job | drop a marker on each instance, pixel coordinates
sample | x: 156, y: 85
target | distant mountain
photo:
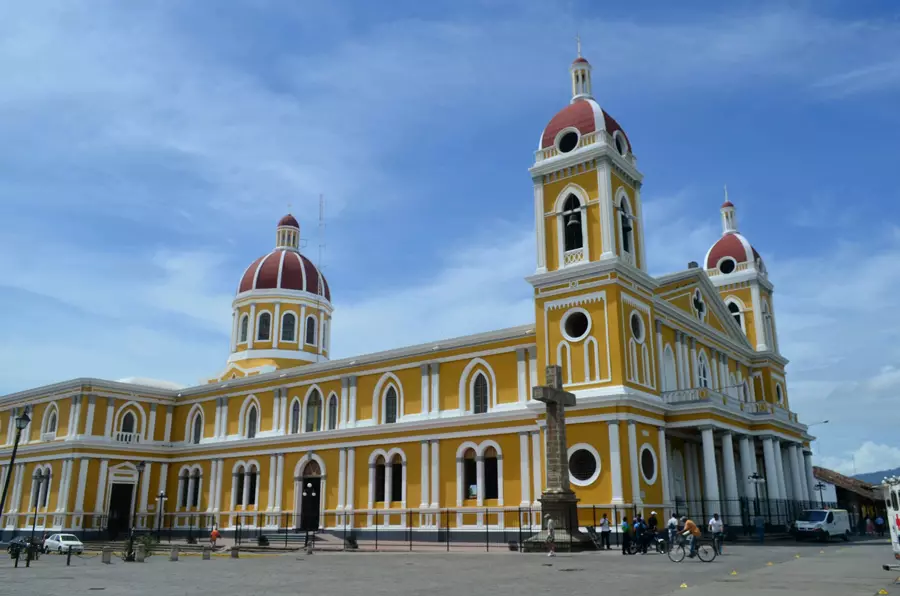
x: 877, y: 477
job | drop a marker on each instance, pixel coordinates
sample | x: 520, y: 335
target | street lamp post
x: 819, y: 488
x: 160, y: 507
x: 129, y: 552
x: 21, y: 422
x: 756, y: 479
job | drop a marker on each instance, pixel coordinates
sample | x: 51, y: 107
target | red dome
x: 731, y: 245
x: 727, y: 204
x: 288, y: 220
x: 579, y: 60
x: 584, y: 115
x: 285, y: 270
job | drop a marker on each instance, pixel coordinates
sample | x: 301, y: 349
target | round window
x: 637, y: 327
x: 727, y: 266
x: 576, y: 325
x: 582, y: 465
x: 648, y: 464
x: 568, y: 141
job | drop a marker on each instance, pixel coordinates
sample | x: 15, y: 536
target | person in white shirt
x: 604, y: 532
x: 672, y: 526
x: 717, y: 529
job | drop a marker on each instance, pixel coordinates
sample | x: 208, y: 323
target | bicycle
x: 704, y: 549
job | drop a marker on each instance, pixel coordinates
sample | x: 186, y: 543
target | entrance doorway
x: 120, y: 509
x: 310, y: 497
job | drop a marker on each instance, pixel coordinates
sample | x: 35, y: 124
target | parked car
x: 60, y: 543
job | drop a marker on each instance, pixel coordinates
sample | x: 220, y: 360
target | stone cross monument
x: 558, y: 500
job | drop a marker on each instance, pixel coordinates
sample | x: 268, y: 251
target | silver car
x: 60, y: 543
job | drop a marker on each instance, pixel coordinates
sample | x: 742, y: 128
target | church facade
x: 681, y: 395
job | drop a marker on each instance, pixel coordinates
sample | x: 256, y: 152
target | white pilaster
x: 537, y: 466
x: 279, y: 481
x: 633, y: 464
x: 342, y: 478
x: 435, y: 388
x: 695, y: 377
x: 276, y: 327
x: 101, y: 487
x: 251, y: 333
x: 273, y: 471
x: 83, y: 465
x: 224, y: 422
x: 151, y: 425
x: 435, y: 474
x: 523, y: 469
x: 479, y: 468
x: 234, y: 330
x: 615, y: 463
x: 145, y: 486
x: 110, y: 412
x: 220, y: 464
x: 532, y: 370
x: 62, y: 502
x: 167, y: 432
x: 351, y: 419
x: 351, y: 480
x: 732, y: 505
x: 664, y: 467
x: 539, y: 224
x: 424, y: 481
x: 19, y: 480
x: 678, y: 361
x: 757, y: 318
x: 607, y: 215
x: 714, y: 368
x: 522, y: 379
x: 773, y: 490
x: 282, y: 418
x: 425, y: 386
x: 217, y: 431
x: 344, y: 398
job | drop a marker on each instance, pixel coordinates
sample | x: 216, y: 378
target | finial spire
x: 578, y: 43
x: 726, y: 193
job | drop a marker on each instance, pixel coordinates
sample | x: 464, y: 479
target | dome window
x: 621, y: 143
x: 567, y: 140
x: 727, y: 265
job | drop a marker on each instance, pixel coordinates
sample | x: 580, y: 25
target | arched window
x: 184, y: 482
x: 314, y: 412
x: 491, y: 474
x: 779, y: 393
x: 289, y: 327
x: 311, y: 330
x: 252, y: 474
x: 197, y: 432
x: 332, y: 412
x: 390, y: 406
x: 239, y: 485
x: 295, y: 417
x: 670, y: 379
x: 245, y: 324
x: 51, y: 423
x: 264, y: 332
x: 379, y: 479
x: 626, y: 229
x: 735, y: 311
x: 571, y: 220
x: 195, y: 494
x: 480, y: 394
x: 128, y: 423
x: 702, y: 370
x: 252, y: 422
x: 397, y: 478
x: 324, y: 335
x: 51, y: 420
x: 470, y: 475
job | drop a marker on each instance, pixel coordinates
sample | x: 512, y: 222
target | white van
x: 823, y: 524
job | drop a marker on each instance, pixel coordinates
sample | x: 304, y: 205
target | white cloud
x: 869, y: 457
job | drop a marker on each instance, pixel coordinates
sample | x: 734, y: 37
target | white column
x: 779, y: 469
x: 82, y: 484
x: 607, y: 214
x: 70, y: 427
x: 521, y: 374
x: 276, y: 325
x: 145, y: 486
x: 276, y: 409
x: 272, y: 473
x: 773, y: 491
x: 425, y: 386
x: 423, y: 481
x: 220, y: 464
x: 664, y: 468
x: 435, y: 388
x: 62, y: 503
x: 351, y: 486
x: 615, y: 463
x: 352, y: 414
x: 89, y: 422
x: 804, y: 487
x: 151, y: 425
x: 224, y: 429
x: 810, y: 478
x: 479, y: 468
x: 101, y: 487
x: 537, y: 465
x: 371, y: 502
x: 282, y: 418
x: 167, y: 431
x: 532, y: 370
x: 732, y: 505
x: 523, y: 469
x: 217, y: 431
x: 748, y: 459
x: 110, y: 412
x: 245, y: 497
x: 279, y: 481
x: 344, y: 398
x: 251, y: 332
x: 435, y: 475
x: 19, y: 480
x: 710, y: 474
x: 539, y: 224
x: 660, y: 373
x: 796, y: 478
x: 342, y: 478
x: 633, y: 464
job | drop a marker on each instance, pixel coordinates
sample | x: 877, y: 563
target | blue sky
x: 149, y: 148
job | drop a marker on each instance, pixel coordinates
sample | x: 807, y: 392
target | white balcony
x: 571, y: 257
x: 705, y: 395
x: 123, y: 437
x: 48, y: 437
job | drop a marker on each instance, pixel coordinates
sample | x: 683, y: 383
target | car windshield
x: 68, y: 538
x: 812, y: 516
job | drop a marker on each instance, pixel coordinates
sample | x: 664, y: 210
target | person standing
x: 213, y: 537
x: 640, y: 534
x: 879, y: 525
x: 672, y: 526
x: 551, y: 535
x: 605, y: 531
x: 717, y: 529
x: 626, y: 536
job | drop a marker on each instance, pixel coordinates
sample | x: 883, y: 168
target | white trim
x: 304, y: 412
x: 558, y: 205
x: 54, y: 409
x: 259, y: 315
x: 315, y: 330
x: 564, y: 132
x: 189, y: 424
x: 563, y: 346
x: 298, y: 418
x: 337, y: 412
x: 244, y: 414
x: 284, y: 314
x: 599, y: 466
x: 656, y: 463
x: 385, y: 382
x: 467, y: 390
x: 139, y: 419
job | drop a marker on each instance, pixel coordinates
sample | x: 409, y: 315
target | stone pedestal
x: 173, y: 555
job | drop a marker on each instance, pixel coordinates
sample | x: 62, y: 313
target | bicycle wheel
x: 676, y: 553
x: 706, y: 552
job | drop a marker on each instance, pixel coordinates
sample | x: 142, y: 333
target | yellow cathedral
x: 681, y: 396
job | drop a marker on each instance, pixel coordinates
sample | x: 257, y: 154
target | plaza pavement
x: 835, y: 569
